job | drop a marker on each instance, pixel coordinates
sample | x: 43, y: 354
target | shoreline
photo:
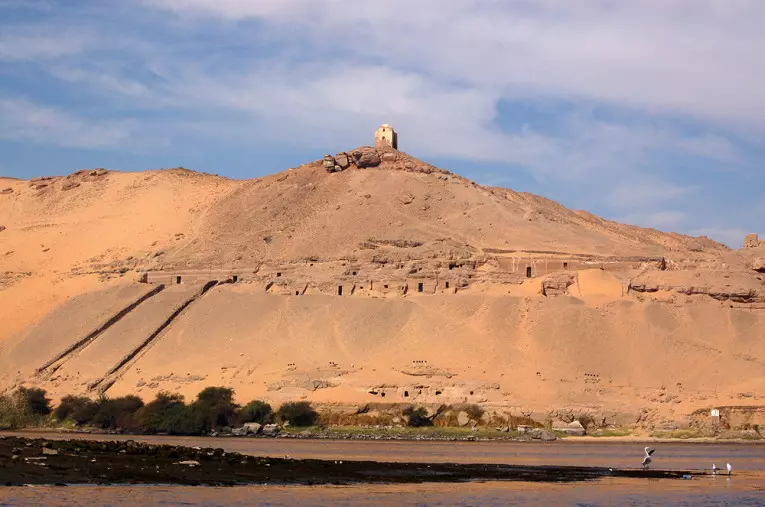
x: 422, y: 436
x: 25, y: 461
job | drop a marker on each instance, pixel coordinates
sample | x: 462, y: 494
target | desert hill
x: 363, y: 276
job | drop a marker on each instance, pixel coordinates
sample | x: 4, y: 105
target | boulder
x: 271, y: 430
x: 540, y: 434
x: 98, y: 172
x: 329, y: 163
x: 2, y: 228
x: 8, y: 190
x: 574, y: 428
x: 253, y: 428
x: 406, y: 198
x: 49, y: 452
x: 239, y: 432
x: 70, y: 185
x: 366, y: 158
x: 389, y: 157
x: 343, y: 160
x: 463, y: 419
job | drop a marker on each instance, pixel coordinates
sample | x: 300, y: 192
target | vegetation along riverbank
x: 214, y: 412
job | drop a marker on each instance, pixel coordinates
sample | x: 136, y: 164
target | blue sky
x: 649, y: 112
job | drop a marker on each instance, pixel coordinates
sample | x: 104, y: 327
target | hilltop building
x: 385, y: 135
x: 753, y: 241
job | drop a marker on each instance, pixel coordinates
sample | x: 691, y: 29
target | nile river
x: 745, y: 487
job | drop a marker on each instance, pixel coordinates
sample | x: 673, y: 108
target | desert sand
x: 451, y: 292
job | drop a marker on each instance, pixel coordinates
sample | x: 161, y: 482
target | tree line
x: 167, y: 413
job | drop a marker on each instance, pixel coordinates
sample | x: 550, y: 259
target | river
x: 745, y: 487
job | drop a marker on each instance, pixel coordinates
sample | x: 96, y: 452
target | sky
x: 648, y: 112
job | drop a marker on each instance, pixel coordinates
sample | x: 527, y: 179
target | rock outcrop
x: 366, y: 157
x: 736, y: 286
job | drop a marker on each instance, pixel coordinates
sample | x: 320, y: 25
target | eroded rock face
x: 736, y: 286
x: 8, y: 190
x: 70, y: 185
x: 758, y: 264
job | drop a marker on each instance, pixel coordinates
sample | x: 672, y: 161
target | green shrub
x: 168, y: 413
x: 181, y: 419
x: 215, y: 406
x: 37, y: 402
x: 418, y: 417
x: 23, y: 407
x: 150, y: 417
x: 79, y: 409
x: 14, y: 412
x: 117, y: 412
x: 255, y: 411
x: 298, y: 413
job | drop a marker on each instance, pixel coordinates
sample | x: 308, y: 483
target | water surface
x: 745, y: 487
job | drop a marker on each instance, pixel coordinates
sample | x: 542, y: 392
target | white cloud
x: 731, y: 236
x: 692, y: 56
x: 24, y: 120
x: 663, y: 220
x: 645, y: 192
x: 322, y: 74
x: 31, y: 42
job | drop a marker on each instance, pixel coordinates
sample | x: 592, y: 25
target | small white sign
x: 715, y: 412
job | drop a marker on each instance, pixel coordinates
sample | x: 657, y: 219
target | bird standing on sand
x: 727, y: 465
x: 647, y: 460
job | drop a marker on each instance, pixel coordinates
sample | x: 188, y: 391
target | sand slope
x: 74, y: 248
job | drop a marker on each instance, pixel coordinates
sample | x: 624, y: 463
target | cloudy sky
x: 650, y: 112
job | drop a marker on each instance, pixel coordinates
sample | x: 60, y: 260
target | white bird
x: 714, y: 469
x: 727, y: 465
x: 647, y: 460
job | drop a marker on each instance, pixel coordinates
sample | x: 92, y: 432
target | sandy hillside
x: 387, y: 281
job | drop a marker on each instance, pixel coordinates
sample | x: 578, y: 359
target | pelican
x: 647, y: 460
x: 727, y: 465
x: 714, y: 469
